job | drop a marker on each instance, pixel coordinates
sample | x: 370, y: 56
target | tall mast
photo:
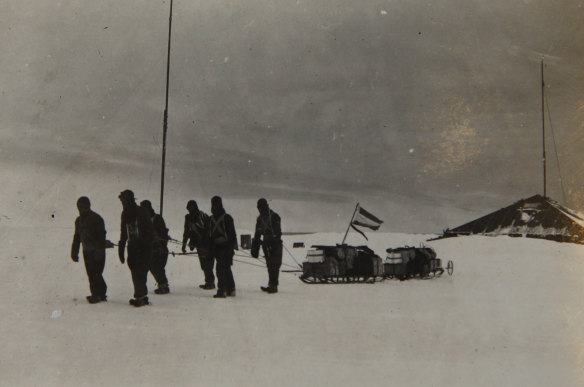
x: 543, y: 130
x: 165, y: 124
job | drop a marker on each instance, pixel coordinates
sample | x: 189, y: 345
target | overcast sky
x: 426, y: 112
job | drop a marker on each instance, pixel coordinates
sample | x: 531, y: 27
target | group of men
x: 144, y: 237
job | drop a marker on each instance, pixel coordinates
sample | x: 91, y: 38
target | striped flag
x: 364, y: 218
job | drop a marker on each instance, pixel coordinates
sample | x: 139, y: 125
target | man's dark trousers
x: 273, y: 254
x: 94, y: 265
x: 139, y: 262
x: 225, y: 281
x: 207, y: 262
x: 159, y: 259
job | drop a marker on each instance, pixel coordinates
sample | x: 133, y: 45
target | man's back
x: 90, y: 228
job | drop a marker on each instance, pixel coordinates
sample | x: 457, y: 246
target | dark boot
x: 231, y: 293
x: 141, y: 301
x: 219, y: 295
x: 95, y: 299
x: 269, y: 289
x: 162, y: 289
x: 207, y: 286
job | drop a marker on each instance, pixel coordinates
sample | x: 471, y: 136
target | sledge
x: 341, y: 264
x: 414, y: 262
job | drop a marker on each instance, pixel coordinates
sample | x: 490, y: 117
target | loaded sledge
x: 341, y: 264
x: 349, y: 264
x: 414, y: 262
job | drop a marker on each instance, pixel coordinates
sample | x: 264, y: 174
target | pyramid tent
x: 534, y: 217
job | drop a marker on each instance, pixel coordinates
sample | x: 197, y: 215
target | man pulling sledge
x: 90, y: 232
x: 223, y: 246
x: 137, y: 231
x: 196, y: 234
x: 268, y: 226
x: 159, y: 248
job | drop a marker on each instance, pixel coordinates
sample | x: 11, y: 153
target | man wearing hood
x: 223, y: 245
x: 159, y: 248
x: 90, y: 232
x: 196, y: 234
x: 138, y: 233
x: 268, y: 226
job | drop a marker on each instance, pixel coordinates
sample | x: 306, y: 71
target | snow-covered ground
x: 511, y: 315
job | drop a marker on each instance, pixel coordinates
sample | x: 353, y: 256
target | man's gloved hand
x: 255, y: 248
x: 191, y: 246
x: 121, y: 252
x: 75, y: 258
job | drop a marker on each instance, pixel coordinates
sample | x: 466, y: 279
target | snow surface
x: 511, y: 315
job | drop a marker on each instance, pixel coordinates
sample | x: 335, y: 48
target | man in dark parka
x: 90, y: 233
x: 196, y: 234
x: 138, y: 233
x: 223, y: 245
x: 159, y: 248
x: 268, y: 225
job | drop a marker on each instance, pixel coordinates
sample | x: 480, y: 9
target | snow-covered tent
x: 534, y: 217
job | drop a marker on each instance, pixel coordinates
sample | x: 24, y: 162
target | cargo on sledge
x: 341, y: 264
x: 349, y: 264
x: 414, y: 262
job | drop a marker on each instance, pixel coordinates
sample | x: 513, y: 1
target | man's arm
x: 256, y: 241
x: 276, y: 225
x: 123, y: 239
x: 75, y: 245
x: 230, y: 231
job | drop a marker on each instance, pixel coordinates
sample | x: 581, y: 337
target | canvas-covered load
x: 394, y: 269
x: 408, y: 262
x: 315, y: 256
x: 324, y: 266
x: 400, y: 255
x: 323, y: 262
x: 347, y: 254
x: 393, y: 258
x: 435, y: 264
x: 426, y: 252
x: 396, y: 260
x: 341, y: 263
x: 378, y: 268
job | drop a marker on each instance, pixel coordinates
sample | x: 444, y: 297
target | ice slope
x: 512, y: 314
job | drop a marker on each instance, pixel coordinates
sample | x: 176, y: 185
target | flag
x: 364, y: 218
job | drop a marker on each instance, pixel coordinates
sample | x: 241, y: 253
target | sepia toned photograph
x: 292, y: 193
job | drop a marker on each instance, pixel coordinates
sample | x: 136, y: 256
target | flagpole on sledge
x: 350, y: 222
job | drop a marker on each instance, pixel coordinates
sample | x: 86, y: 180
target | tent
x: 534, y: 217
